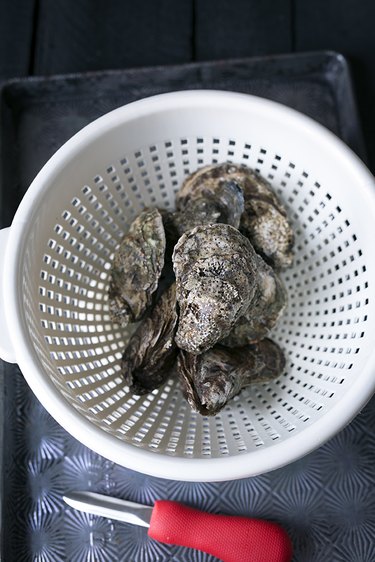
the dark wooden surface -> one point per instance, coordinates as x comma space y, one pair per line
227, 29
80, 35
43, 37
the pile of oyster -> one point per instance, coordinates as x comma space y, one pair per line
203, 283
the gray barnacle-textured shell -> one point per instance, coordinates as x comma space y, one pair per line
151, 351
136, 268
264, 311
213, 195
197, 213
211, 379
216, 279
264, 220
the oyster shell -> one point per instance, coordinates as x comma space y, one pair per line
264, 311
216, 279
151, 351
197, 213
136, 269
210, 380
217, 197
264, 220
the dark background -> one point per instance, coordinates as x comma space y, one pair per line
44, 37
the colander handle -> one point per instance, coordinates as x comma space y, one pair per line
6, 348
228, 537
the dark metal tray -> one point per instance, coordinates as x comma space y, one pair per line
326, 501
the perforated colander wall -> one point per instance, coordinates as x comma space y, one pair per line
67, 309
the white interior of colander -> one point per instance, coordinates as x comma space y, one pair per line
85, 202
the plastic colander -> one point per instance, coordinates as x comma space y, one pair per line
56, 258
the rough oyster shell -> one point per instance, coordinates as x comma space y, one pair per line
217, 198
264, 310
264, 219
211, 379
151, 351
136, 269
216, 279
196, 214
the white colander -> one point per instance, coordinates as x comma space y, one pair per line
56, 256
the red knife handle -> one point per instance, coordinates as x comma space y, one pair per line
228, 537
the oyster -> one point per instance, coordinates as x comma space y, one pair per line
151, 351
216, 279
264, 220
213, 196
137, 266
264, 311
197, 213
210, 380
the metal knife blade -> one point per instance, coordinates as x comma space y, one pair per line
113, 508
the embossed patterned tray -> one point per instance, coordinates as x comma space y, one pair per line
326, 501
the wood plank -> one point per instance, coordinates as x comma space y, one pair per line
241, 28
83, 35
346, 26
16, 36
